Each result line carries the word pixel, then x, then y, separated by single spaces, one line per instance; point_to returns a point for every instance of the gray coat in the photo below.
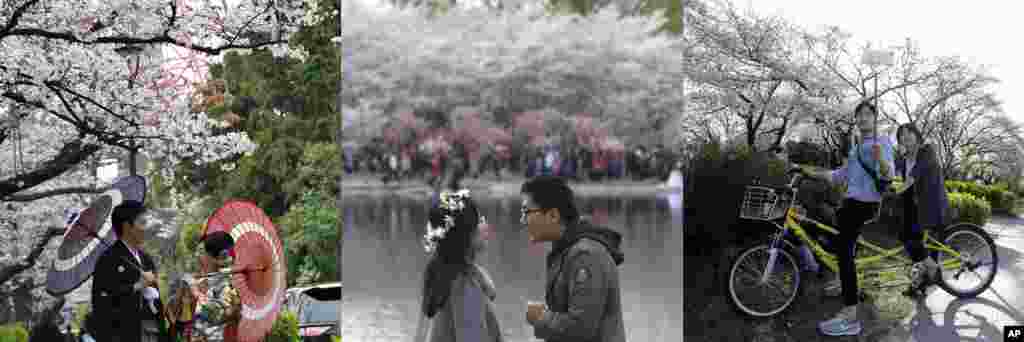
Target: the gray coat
pixel 468 315
pixel 583 293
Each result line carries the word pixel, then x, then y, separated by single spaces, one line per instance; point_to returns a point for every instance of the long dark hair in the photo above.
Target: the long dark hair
pixel 455 254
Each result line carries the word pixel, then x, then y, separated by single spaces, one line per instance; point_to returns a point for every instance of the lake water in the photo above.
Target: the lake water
pixel 383 262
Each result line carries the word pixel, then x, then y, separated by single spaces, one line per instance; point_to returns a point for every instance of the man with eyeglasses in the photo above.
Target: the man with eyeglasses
pixel 582 300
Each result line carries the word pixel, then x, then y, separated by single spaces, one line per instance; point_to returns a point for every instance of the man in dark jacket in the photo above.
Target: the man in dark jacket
pixel 583 301
pixel 119 286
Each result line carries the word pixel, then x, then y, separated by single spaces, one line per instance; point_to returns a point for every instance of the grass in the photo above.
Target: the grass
pixel 1018 207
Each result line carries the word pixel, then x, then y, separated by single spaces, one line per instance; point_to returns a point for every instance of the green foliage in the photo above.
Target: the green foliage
pixel 969 208
pixel 311 233
pixel 187 245
pixel 719 176
pixel 285 329
pixel 286 105
pixel 671 11
pixel 998 196
pixel 13 333
pixel 318 169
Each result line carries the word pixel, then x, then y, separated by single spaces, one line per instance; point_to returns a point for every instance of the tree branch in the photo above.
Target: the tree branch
pixel 54 192
pixel 10 271
pixel 163 39
pixel 16 17
pixel 69 156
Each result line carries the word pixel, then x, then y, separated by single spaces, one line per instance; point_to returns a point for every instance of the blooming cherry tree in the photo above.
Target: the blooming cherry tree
pixel 70 96
pixel 528 59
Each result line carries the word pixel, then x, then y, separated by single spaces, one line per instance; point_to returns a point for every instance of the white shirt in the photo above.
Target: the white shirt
pixel 910 167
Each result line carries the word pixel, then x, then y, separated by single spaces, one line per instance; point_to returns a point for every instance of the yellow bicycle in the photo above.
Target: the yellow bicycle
pixel 764 280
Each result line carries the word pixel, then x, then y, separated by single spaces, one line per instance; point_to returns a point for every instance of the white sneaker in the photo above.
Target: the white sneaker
pixel 923 272
pixel 844 323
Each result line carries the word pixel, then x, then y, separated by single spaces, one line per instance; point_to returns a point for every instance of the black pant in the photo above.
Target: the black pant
pixel 851 218
pixel 912 233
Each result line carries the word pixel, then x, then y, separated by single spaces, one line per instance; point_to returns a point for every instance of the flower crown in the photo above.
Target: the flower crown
pixel 451 204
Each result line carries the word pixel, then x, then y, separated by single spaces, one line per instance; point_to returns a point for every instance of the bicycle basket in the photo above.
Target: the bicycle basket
pixel 761 203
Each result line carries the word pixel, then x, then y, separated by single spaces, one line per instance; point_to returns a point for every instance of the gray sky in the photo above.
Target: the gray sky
pixel 981 32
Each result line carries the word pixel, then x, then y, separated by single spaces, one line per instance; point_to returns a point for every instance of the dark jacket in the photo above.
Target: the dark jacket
pixel 583 294
pixel 117 303
pixel 929 187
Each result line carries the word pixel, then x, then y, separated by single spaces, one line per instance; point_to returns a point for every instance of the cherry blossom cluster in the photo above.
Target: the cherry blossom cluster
pixel 451 204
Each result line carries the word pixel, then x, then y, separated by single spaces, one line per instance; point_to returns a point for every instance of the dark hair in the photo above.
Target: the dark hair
pixel 550 192
pixel 126 212
pixel 217 242
pixel 909 127
pixel 865 104
pixel 454 255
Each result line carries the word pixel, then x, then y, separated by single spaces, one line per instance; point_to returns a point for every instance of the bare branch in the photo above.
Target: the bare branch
pixel 70 155
pixel 128 40
pixel 10 271
pixel 51 193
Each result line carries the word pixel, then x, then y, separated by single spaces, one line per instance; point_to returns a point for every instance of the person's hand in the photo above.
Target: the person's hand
pixel 149 279
pixel 534 312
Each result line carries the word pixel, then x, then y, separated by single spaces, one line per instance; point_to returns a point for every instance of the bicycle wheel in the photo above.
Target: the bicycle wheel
pixel 763 298
pixel 977 252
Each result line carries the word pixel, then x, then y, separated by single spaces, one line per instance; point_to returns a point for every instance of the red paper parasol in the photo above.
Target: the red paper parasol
pixel 260 265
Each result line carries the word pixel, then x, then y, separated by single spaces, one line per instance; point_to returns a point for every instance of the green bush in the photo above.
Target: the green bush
pixel 286 328
pixel 969 208
pixel 717 182
pixel 13 333
pixel 999 198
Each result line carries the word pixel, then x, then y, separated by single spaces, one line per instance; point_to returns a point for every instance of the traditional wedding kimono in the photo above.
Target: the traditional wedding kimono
pixel 468 315
pixel 219 308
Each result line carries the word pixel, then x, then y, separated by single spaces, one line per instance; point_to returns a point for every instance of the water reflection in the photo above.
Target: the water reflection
pixel 383 263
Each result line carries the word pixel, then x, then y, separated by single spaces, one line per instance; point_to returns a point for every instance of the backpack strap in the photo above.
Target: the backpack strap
pixel 874 176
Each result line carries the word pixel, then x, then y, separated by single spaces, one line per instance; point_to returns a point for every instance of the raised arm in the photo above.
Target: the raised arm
pixel 832 176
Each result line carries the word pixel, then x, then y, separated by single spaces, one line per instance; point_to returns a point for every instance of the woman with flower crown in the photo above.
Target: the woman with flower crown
pixel 458 294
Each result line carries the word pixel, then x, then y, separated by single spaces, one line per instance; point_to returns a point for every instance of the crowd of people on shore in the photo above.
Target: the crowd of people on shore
pixel 580 164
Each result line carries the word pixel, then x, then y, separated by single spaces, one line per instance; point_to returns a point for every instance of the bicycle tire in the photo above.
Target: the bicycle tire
pixel 786 254
pixel 968 228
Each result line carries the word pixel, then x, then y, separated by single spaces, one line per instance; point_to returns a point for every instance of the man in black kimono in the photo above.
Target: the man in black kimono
pixel 125 281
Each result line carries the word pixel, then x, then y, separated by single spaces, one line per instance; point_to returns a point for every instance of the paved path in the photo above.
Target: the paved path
pixel 942 318
pixel 939 317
